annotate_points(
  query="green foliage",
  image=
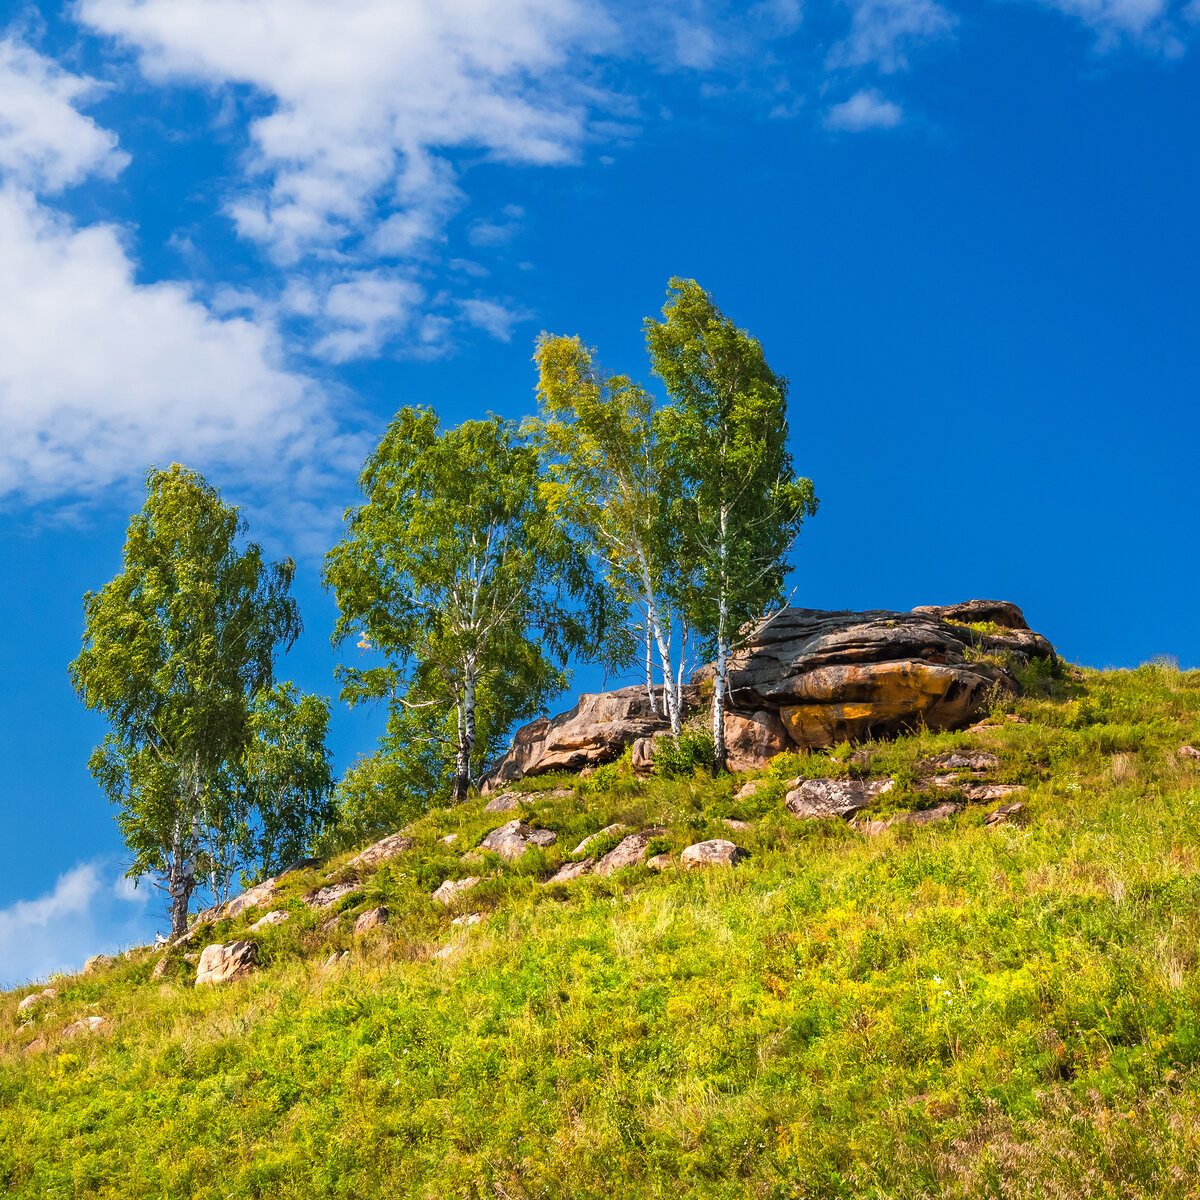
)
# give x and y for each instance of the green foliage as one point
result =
(174, 649)
(279, 789)
(678, 758)
(455, 570)
(956, 1011)
(739, 504)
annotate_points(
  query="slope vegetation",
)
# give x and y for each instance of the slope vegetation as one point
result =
(948, 1009)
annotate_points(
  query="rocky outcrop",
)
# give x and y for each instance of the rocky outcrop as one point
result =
(382, 850)
(596, 730)
(451, 888)
(629, 851)
(87, 1025)
(223, 962)
(511, 840)
(572, 870)
(326, 897)
(846, 676)
(98, 962)
(42, 997)
(373, 918)
(276, 916)
(807, 679)
(593, 838)
(715, 853)
(833, 797)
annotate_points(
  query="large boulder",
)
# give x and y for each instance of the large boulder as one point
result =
(715, 853)
(226, 961)
(806, 679)
(596, 730)
(512, 839)
(627, 852)
(847, 676)
(834, 797)
(382, 850)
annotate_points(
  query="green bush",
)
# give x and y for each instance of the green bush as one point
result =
(682, 757)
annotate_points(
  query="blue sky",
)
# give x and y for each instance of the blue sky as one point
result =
(241, 233)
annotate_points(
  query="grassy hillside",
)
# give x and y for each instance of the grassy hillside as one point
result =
(951, 1010)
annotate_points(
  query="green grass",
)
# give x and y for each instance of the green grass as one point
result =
(942, 1011)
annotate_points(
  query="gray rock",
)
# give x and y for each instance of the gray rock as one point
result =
(38, 998)
(629, 851)
(511, 840)
(98, 962)
(735, 824)
(571, 870)
(468, 919)
(451, 888)
(999, 815)
(925, 816)
(373, 918)
(276, 916)
(327, 896)
(87, 1025)
(715, 853)
(834, 797)
(957, 760)
(505, 802)
(659, 862)
(382, 850)
(591, 839)
(223, 962)
(258, 896)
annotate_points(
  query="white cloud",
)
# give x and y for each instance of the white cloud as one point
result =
(1147, 23)
(45, 144)
(884, 32)
(101, 376)
(867, 109)
(371, 96)
(365, 312)
(88, 912)
(492, 317)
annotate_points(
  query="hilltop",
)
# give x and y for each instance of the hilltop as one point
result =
(974, 976)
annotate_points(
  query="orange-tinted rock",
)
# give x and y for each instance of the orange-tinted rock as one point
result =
(751, 739)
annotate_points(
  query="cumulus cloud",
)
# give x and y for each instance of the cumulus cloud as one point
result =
(90, 910)
(1146, 23)
(100, 375)
(370, 97)
(46, 144)
(884, 32)
(867, 109)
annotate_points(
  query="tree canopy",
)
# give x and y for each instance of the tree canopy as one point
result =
(175, 647)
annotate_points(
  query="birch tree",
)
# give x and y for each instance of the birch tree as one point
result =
(456, 572)
(739, 505)
(609, 478)
(174, 648)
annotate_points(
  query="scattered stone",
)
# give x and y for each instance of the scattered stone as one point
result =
(975, 790)
(452, 887)
(587, 772)
(42, 997)
(511, 840)
(734, 823)
(999, 815)
(324, 897)
(223, 962)
(468, 919)
(641, 756)
(98, 962)
(616, 827)
(87, 1025)
(449, 839)
(505, 802)
(373, 918)
(978, 760)
(257, 897)
(715, 853)
(191, 959)
(336, 959)
(982, 727)
(276, 916)
(382, 850)
(446, 951)
(162, 966)
(571, 870)
(38, 1044)
(924, 816)
(1189, 752)
(749, 788)
(331, 924)
(834, 797)
(659, 862)
(629, 851)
